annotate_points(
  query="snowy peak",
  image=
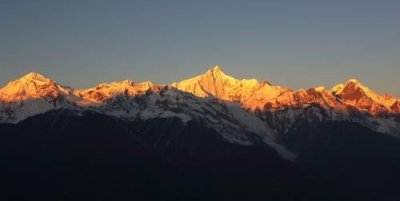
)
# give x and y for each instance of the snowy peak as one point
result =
(106, 91)
(30, 78)
(216, 70)
(30, 86)
(217, 74)
(351, 86)
(215, 83)
(34, 76)
(31, 94)
(354, 93)
(217, 77)
(352, 90)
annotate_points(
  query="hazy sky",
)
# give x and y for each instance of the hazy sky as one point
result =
(295, 43)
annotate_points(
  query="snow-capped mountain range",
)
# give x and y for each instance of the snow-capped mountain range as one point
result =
(242, 111)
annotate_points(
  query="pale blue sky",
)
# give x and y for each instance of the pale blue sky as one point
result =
(295, 43)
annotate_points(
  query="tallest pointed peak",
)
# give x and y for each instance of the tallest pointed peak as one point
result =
(216, 68)
(216, 83)
(217, 73)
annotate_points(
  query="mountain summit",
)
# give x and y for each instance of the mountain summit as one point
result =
(216, 83)
(29, 95)
(31, 86)
(34, 76)
(356, 94)
(107, 91)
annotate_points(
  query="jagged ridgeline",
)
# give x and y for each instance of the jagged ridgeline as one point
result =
(210, 136)
(33, 94)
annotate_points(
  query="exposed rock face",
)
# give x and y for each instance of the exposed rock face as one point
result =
(356, 94)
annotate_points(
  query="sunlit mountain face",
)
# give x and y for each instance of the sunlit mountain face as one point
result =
(209, 137)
